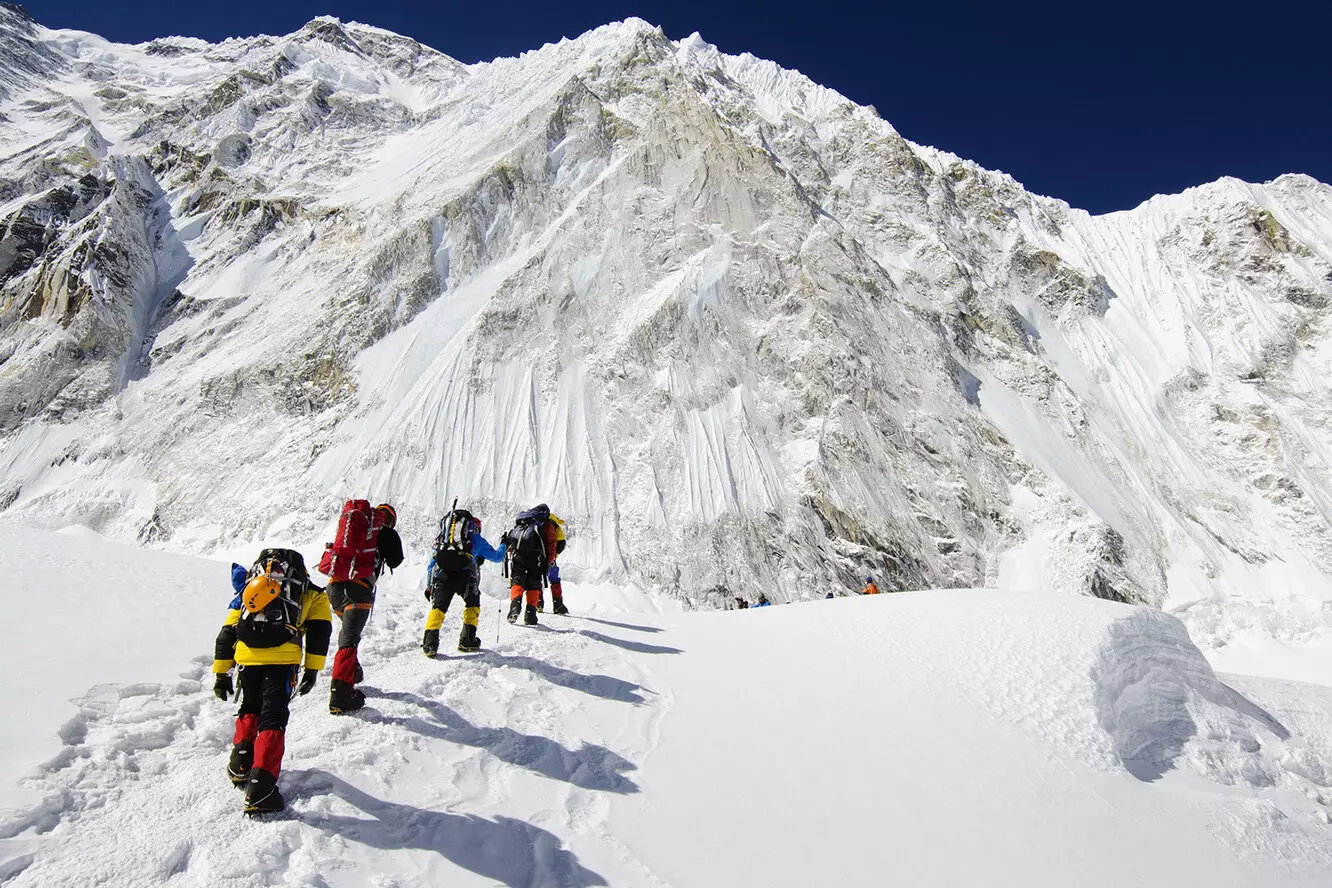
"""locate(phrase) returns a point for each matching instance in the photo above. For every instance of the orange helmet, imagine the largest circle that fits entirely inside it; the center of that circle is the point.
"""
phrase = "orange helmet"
(390, 514)
(260, 592)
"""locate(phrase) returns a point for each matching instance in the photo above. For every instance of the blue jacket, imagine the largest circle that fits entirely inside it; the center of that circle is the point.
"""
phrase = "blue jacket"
(239, 576)
(762, 604)
(481, 551)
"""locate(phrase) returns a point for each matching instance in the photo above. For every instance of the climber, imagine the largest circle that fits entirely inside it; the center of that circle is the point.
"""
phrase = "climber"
(531, 547)
(366, 541)
(870, 588)
(455, 569)
(553, 534)
(277, 618)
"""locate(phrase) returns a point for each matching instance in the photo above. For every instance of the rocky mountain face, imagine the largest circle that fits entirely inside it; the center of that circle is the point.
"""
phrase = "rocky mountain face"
(735, 328)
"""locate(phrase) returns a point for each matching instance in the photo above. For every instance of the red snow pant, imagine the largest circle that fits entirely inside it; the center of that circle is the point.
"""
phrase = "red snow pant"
(352, 602)
(262, 718)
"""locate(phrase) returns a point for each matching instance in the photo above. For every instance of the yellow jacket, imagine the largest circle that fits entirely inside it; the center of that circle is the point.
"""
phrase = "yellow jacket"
(560, 538)
(315, 628)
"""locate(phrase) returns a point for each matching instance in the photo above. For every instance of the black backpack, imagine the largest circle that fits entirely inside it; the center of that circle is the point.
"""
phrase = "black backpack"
(453, 543)
(527, 541)
(270, 613)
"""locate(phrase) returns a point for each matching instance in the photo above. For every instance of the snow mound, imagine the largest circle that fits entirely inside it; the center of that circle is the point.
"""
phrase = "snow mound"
(1158, 697)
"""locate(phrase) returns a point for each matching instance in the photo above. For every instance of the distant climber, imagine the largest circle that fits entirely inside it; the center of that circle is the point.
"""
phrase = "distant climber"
(741, 604)
(826, 597)
(531, 547)
(455, 569)
(553, 534)
(366, 541)
(870, 588)
(277, 618)
(763, 601)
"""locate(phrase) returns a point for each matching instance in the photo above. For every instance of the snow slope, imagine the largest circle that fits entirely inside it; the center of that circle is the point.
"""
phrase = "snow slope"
(737, 330)
(81, 611)
(949, 738)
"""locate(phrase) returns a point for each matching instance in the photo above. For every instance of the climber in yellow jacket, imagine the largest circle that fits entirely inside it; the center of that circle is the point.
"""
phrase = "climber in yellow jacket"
(277, 619)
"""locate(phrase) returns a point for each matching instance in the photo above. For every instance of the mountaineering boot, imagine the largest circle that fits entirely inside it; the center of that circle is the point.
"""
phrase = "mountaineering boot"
(430, 644)
(262, 796)
(515, 608)
(529, 618)
(238, 768)
(467, 640)
(541, 603)
(344, 698)
(360, 674)
(557, 606)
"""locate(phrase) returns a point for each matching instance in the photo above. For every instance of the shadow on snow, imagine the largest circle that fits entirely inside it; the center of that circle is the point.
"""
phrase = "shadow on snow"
(505, 850)
(604, 686)
(592, 767)
(632, 626)
(637, 647)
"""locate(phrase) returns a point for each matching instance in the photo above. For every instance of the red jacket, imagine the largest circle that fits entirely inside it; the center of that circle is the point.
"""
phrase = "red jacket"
(552, 533)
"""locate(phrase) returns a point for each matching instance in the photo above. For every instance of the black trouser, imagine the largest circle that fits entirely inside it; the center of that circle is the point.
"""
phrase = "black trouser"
(264, 710)
(352, 602)
(265, 691)
(446, 584)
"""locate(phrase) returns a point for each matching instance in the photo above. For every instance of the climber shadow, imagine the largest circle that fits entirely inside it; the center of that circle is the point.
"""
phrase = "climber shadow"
(504, 850)
(604, 686)
(637, 647)
(591, 767)
(632, 626)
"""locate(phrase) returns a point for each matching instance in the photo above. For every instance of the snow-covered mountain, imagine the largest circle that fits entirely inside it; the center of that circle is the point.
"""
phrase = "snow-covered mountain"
(738, 330)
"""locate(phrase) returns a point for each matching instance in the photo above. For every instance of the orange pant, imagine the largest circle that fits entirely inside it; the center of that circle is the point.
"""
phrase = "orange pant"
(533, 595)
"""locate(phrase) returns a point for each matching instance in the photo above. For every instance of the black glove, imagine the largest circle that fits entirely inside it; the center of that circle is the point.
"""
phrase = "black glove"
(427, 595)
(307, 681)
(222, 688)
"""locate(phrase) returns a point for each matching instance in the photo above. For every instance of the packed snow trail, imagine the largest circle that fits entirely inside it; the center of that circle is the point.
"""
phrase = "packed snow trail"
(421, 786)
(945, 738)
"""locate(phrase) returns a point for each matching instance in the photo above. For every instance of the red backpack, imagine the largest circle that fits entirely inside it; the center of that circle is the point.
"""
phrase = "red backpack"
(351, 555)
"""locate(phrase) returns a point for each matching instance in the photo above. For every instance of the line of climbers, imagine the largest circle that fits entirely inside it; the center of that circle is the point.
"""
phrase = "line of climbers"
(280, 619)
(743, 604)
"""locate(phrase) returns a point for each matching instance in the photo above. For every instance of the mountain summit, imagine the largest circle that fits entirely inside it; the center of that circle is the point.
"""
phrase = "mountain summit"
(744, 334)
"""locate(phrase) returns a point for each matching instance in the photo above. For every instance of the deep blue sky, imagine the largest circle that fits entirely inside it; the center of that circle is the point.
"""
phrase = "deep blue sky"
(1101, 104)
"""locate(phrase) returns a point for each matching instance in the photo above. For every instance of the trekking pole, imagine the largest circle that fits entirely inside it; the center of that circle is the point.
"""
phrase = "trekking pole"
(499, 622)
